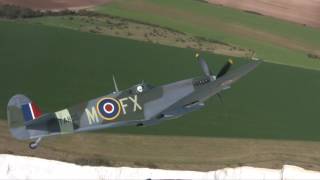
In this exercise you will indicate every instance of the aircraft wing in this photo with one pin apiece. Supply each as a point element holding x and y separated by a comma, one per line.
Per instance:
<point>195,100</point>
<point>231,77</point>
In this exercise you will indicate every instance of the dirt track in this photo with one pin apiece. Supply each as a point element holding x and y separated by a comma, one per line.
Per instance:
<point>299,11</point>
<point>167,152</point>
<point>55,4</point>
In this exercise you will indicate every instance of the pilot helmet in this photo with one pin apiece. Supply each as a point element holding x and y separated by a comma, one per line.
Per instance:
<point>139,88</point>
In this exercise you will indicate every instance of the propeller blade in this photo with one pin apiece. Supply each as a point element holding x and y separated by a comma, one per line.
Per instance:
<point>225,68</point>
<point>204,65</point>
<point>220,98</point>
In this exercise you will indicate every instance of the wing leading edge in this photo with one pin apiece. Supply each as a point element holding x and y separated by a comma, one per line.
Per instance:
<point>228,79</point>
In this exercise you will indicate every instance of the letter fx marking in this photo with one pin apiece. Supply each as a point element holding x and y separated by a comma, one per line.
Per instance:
<point>134,101</point>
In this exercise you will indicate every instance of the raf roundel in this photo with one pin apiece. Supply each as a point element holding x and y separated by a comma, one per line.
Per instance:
<point>108,108</point>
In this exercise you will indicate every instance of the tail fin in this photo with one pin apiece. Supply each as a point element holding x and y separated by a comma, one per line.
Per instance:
<point>30,111</point>
<point>20,110</point>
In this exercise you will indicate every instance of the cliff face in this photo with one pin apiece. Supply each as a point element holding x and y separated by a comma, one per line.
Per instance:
<point>21,167</point>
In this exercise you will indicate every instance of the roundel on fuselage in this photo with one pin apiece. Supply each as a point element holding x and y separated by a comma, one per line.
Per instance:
<point>108,108</point>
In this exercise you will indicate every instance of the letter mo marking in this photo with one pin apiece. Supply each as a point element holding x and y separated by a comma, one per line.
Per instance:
<point>92,116</point>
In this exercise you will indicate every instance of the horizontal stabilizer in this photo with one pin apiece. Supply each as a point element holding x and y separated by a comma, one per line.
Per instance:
<point>43,120</point>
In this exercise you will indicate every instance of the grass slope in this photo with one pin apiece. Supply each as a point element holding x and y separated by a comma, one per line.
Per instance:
<point>274,40</point>
<point>119,27</point>
<point>58,67</point>
<point>167,152</point>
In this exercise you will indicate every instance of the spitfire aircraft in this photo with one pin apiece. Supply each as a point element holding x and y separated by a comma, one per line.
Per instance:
<point>140,105</point>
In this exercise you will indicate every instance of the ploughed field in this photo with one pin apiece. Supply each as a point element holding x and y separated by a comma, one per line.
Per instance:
<point>303,12</point>
<point>57,68</point>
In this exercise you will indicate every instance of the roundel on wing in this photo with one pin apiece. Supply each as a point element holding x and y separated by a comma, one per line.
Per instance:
<point>108,108</point>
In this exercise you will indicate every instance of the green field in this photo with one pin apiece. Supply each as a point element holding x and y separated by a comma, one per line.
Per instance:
<point>273,40</point>
<point>124,28</point>
<point>57,67</point>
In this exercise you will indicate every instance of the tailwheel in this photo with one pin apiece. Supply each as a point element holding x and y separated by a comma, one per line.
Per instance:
<point>34,144</point>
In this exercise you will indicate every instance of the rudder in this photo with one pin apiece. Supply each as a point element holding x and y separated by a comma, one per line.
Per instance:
<point>21,109</point>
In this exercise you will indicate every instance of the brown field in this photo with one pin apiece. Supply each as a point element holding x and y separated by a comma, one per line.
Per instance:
<point>299,11</point>
<point>55,4</point>
<point>167,152</point>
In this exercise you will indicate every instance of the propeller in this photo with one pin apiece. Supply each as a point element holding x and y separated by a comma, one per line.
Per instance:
<point>204,65</point>
<point>222,72</point>
<point>206,70</point>
<point>225,68</point>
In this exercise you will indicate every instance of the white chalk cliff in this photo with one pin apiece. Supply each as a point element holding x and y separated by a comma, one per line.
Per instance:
<point>21,167</point>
